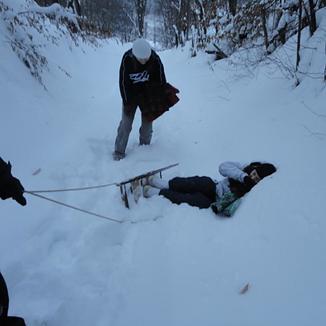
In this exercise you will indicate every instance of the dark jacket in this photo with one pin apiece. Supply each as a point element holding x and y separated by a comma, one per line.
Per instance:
<point>10,187</point>
<point>4,298</point>
<point>135,77</point>
<point>5,176</point>
<point>4,306</point>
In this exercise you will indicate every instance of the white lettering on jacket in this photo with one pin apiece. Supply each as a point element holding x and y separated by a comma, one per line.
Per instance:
<point>139,77</point>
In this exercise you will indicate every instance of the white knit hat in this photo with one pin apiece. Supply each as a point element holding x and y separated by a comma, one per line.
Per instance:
<point>141,49</point>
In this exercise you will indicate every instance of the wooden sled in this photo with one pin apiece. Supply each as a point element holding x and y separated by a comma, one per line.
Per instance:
<point>136,184</point>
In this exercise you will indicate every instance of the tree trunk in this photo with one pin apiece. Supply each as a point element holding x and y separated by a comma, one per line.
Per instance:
<point>299,35</point>
<point>233,6</point>
<point>140,11</point>
<point>75,6</point>
<point>312,20</point>
<point>263,16</point>
<point>325,66</point>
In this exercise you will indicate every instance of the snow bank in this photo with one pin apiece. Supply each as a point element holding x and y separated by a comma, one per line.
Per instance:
<point>30,28</point>
<point>187,266</point>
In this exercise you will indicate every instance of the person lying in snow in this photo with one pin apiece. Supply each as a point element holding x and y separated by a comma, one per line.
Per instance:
<point>203,192</point>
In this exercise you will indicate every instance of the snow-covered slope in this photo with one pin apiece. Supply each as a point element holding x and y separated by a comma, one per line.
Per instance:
<point>187,266</point>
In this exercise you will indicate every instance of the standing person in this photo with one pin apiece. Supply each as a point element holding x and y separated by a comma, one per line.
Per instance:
<point>140,70</point>
<point>10,187</point>
<point>4,306</point>
<point>4,300</point>
<point>204,192</point>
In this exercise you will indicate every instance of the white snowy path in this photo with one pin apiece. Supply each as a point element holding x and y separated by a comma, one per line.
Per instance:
<point>188,266</point>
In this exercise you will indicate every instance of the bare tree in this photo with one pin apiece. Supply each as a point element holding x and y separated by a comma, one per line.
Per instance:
<point>264,25</point>
<point>312,17</point>
<point>75,6</point>
<point>176,20</point>
<point>325,66</point>
<point>299,35</point>
<point>204,11</point>
<point>233,7</point>
<point>140,6</point>
<point>310,14</point>
<point>111,17</point>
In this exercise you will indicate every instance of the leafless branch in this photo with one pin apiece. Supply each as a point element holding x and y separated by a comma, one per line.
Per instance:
<point>312,111</point>
<point>320,135</point>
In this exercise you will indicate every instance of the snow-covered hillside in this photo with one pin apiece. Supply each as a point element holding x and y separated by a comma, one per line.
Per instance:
<point>178,265</point>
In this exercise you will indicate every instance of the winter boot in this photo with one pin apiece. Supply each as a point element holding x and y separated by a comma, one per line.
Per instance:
<point>117,156</point>
<point>149,191</point>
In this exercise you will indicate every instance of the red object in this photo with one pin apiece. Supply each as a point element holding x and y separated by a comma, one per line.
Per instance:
<point>158,99</point>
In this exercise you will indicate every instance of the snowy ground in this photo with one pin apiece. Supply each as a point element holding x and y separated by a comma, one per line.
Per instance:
<point>188,266</point>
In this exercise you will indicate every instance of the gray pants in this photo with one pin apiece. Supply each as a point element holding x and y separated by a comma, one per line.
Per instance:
<point>125,126</point>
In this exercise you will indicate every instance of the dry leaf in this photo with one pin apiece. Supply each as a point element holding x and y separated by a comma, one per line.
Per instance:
<point>36,172</point>
<point>245,289</point>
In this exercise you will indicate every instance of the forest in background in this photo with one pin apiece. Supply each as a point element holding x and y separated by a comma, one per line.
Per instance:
<point>173,22</point>
<point>219,27</point>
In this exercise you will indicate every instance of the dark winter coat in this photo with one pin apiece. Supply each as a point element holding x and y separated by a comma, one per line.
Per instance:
<point>5,176</point>
<point>10,187</point>
<point>4,306</point>
<point>136,77</point>
<point>4,298</point>
<point>145,86</point>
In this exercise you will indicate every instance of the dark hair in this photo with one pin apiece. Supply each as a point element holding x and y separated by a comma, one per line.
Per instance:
<point>263,170</point>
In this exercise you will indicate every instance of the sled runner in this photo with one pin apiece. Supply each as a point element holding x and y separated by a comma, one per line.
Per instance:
<point>136,184</point>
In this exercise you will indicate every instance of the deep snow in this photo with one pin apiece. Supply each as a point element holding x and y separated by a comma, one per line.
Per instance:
<point>188,266</point>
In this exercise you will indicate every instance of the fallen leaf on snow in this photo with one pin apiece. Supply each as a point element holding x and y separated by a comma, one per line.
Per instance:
<point>36,172</point>
<point>245,289</point>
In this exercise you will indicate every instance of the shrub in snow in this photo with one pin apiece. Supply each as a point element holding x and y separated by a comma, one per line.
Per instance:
<point>261,23</point>
<point>31,27</point>
<point>255,24</point>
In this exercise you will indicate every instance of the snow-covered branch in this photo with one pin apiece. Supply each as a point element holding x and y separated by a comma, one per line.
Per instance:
<point>34,27</point>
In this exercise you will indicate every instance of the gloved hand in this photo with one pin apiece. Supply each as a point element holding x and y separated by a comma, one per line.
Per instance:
<point>10,187</point>
<point>13,189</point>
<point>248,182</point>
<point>214,208</point>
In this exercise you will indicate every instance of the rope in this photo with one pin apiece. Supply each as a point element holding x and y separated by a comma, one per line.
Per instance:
<point>36,193</point>
<point>95,214</point>
<point>141,176</point>
<point>73,207</point>
<point>72,189</point>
